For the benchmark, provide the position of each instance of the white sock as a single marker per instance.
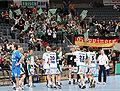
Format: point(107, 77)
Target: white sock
point(86, 78)
point(17, 89)
point(69, 79)
point(53, 84)
point(58, 83)
point(30, 83)
point(20, 82)
point(49, 83)
point(83, 83)
point(14, 85)
point(75, 80)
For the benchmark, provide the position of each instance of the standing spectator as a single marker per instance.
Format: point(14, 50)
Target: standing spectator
point(6, 16)
point(21, 37)
point(49, 34)
point(34, 10)
point(72, 9)
point(2, 16)
point(102, 64)
point(114, 59)
point(54, 36)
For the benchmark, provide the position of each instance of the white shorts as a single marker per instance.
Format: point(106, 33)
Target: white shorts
point(54, 71)
point(92, 71)
point(47, 71)
point(81, 69)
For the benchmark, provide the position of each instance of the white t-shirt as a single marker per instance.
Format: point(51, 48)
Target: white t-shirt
point(46, 58)
point(92, 59)
point(103, 60)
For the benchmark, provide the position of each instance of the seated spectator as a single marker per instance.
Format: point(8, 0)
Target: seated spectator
point(1, 39)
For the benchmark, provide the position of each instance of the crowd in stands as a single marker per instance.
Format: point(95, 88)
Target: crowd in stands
point(47, 27)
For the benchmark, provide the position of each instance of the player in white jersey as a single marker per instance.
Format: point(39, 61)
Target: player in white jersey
point(82, 63)
point(22, 71)
point(46, 65)
point(30, 66)
point(92, 66)
point(59, 66)
point(53, 64)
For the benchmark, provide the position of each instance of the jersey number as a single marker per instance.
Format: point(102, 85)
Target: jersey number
point(52, 58)
point(82, 58)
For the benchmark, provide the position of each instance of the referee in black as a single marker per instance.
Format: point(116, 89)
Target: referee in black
point(102, 64)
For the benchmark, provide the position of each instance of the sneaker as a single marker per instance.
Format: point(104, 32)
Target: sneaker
point(55, 87)
point(20, 88)
point(83, 87)
point(73, 81)
point(104, 83)
point(59, 86)
point(79, 85)
point(98, 82)
point(14, 88)
point(69, 82)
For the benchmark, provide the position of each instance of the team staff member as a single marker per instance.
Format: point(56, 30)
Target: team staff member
point(102, 63)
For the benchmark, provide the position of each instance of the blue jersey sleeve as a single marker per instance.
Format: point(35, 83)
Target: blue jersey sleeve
point(19, 55)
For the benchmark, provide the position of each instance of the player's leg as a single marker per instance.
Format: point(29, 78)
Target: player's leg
point(14, 83)
point(17, 83)
point(30, 80)
point(70, 71)
point(53, 80)
point(75, 75)
point(21, 83)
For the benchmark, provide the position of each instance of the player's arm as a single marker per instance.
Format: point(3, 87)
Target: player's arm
point(20, 60)
point(36, 64)
point(68, 54)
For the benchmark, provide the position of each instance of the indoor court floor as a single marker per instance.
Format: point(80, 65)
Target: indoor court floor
point(113, 84)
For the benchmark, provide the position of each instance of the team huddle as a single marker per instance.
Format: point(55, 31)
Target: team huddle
point(81, 63)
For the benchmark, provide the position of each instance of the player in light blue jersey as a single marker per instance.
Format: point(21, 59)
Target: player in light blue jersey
point(17, 57)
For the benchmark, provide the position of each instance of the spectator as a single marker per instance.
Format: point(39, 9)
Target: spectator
point(21, 37)
point(1, 39)
point(6, 16)
point(2, 16)
point(0, 61)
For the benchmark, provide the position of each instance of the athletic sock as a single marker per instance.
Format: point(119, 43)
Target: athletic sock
point(17, 89)
point(22, 84)
point(49, 83)
point(53, 84)
point(69, 79)
point(75, 80)
point(14, 85)
point(58, 83)
point(83, 83)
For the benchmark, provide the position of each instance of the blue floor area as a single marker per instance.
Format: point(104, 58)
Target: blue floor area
point(113, 84)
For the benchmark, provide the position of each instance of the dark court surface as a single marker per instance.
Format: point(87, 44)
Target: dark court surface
point(113, 84)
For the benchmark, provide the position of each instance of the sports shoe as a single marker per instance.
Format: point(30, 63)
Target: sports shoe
point(104, 83)
point(99, 83)
point(69, 82)
point(83, 87)
point(73, 81)
point(20, 88)
point(59, 86)
point(79, 85)
point(14, 88)
point(55, 87)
